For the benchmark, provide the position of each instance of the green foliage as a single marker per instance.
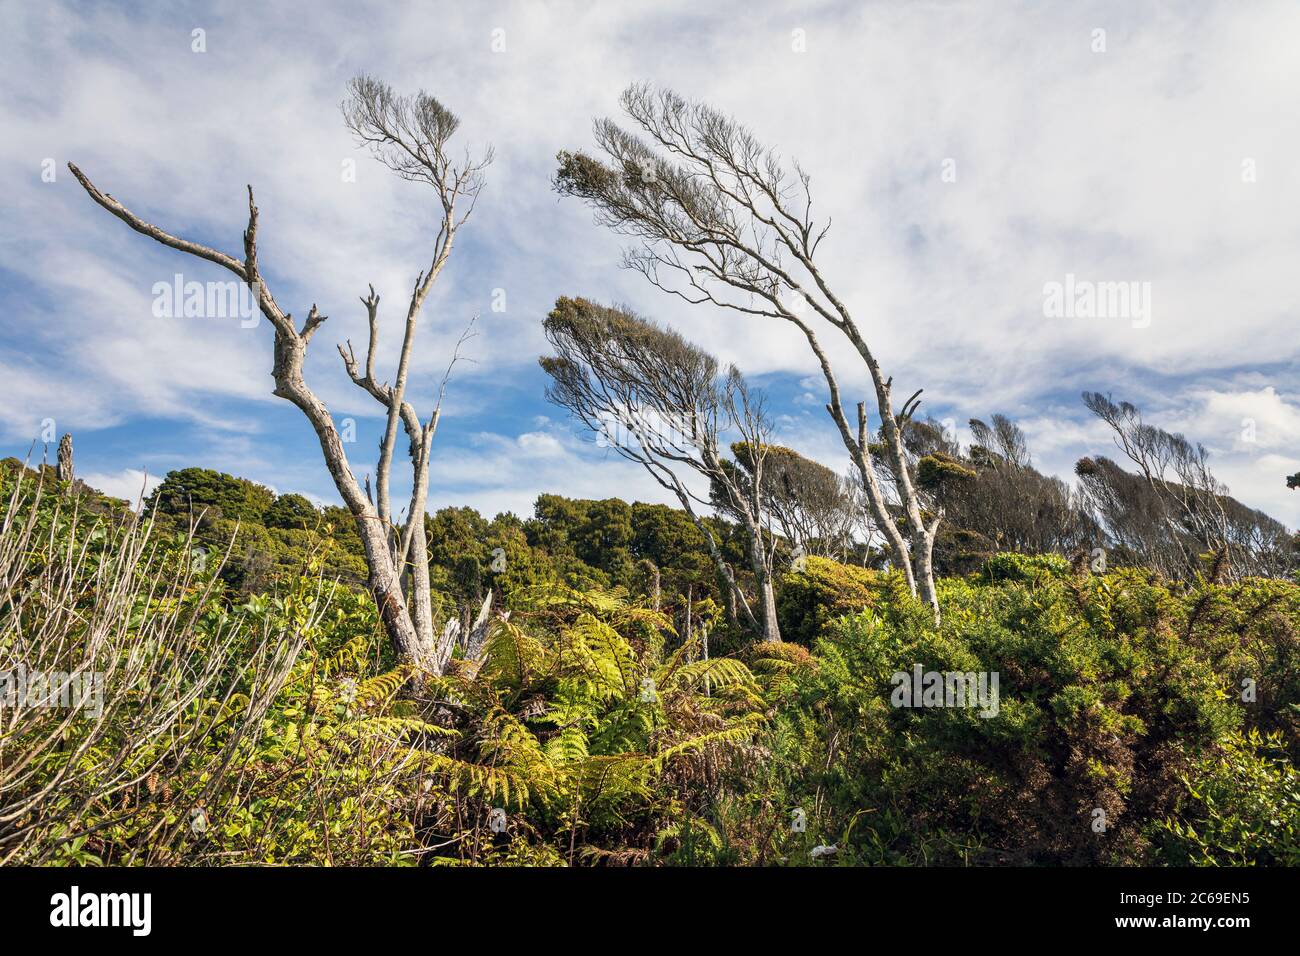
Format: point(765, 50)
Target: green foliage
point(1103, 706)
point(1247, 630)
point(300, 742)
point(195, 491)
point(1241, 808)
point(600, 733)
point(936, 469)
point(818, 591)
point(1013, 566)
point(264, 540)
point(292, 512)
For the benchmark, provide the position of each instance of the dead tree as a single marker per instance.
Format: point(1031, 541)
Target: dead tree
point(64, 468)
point(410, 136)
point(662, 402)
point(1178, 472)
point(721, 220)
point(817, 511)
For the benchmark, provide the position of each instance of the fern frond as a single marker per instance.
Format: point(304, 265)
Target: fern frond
point(511, 655)
point(741, 730)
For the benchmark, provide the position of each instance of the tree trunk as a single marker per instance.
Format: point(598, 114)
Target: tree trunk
point(384, 578)
point(421, 600)
point(64, 469)
point(686, 627)
point(758, 562)
point(771, 628)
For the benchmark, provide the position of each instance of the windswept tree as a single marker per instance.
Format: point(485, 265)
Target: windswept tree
point(1172, 510)
point(1178, 472)
point(662, 402)
point(1012, 504)
point(1136, 521)
point(817, 511)
point(411, 136)
point(720, 219)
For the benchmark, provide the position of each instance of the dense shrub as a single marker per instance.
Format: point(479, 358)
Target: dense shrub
point(1241, 808)
point(253, 712)
point(1105, 714)
point(817, 591)
point(292, 512)
point(1014, 566)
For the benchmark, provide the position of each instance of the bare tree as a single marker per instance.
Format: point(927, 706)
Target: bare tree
point(64, 470)
point(1136, 520)
point(817, 511)
point(409, 135)
point(1144, 526)
point(1177, 471)
point(1004, 441)
point(662, 402)
point(1173, 509)
point(721, 220)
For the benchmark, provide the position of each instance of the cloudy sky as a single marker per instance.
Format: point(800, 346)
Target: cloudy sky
point(969, 154)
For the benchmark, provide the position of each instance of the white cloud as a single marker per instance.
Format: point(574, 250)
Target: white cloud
point(129, 484)
point(502, 473)
point(1248, 421)
point(1124, 165)
point(1253, 435)
point(539, 444)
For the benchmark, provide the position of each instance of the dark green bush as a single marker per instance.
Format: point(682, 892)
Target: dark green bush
point(817, 591)
point(1013, 566)
point(1103, 712)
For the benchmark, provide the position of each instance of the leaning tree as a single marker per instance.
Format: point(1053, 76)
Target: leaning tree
point(1173, 509)
point(662, 402)
point(817, 511)
point(410, 135)
point(722, 220)
point(1178, 474)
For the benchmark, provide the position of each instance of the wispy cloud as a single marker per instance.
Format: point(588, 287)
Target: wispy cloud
point(1164, 159)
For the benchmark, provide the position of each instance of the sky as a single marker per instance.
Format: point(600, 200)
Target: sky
point(971, 156)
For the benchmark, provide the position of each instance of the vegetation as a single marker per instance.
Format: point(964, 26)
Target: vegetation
point(950, 658)
point(661, 402)
point(614, 717)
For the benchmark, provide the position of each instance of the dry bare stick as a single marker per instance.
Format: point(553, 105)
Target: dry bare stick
point(409, 135)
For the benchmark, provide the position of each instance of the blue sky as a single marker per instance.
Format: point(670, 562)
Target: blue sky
point(1168, 156)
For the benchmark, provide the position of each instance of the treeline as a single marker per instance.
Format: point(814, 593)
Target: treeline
point(1167, 513)
point(651, 551)
point(992, 498)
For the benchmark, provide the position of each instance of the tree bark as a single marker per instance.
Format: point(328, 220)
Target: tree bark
point(64, 469)
point(290, 351)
